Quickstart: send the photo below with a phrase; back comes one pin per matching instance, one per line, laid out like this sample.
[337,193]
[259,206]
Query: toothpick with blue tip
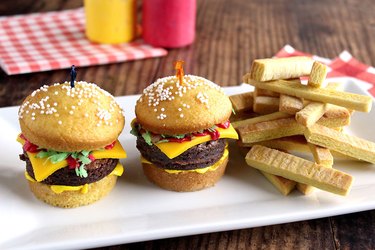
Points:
[73,75]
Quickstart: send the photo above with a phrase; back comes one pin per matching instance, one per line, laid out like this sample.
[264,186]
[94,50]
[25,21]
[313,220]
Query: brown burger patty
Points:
[96,171]
[199,156]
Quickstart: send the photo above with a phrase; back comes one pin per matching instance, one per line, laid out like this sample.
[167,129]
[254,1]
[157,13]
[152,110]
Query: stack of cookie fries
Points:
[283,115]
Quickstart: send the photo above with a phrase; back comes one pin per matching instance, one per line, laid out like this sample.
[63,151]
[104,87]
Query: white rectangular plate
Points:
[136,210]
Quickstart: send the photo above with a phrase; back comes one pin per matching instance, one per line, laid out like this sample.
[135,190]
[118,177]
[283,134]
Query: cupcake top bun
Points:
[63,118]
[170,107]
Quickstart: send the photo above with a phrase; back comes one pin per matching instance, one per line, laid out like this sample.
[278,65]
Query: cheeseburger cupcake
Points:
[69,135]
[181,125]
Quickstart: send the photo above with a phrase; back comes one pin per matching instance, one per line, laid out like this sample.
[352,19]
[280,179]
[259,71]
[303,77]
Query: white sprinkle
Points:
[181,115]
[59,122]
[71,112]
[168,88]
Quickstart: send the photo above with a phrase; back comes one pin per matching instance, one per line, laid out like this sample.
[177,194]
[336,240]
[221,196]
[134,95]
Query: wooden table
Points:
[230,34]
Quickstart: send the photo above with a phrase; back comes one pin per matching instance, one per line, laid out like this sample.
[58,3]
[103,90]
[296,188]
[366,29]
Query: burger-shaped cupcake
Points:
[69,137]
[181,125]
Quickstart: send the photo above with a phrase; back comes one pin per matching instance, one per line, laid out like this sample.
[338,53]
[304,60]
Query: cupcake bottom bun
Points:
[185,180]
[74,198]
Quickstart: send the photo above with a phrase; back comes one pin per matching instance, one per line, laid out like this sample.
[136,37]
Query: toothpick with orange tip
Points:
[178,65]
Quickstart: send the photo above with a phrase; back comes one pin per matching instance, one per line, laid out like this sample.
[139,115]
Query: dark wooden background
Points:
[230,34]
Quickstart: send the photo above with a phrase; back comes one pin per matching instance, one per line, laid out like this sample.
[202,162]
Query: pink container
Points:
[169,23]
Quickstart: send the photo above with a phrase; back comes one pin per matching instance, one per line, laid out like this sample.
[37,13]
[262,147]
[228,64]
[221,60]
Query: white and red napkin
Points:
[56,40]
[342,66]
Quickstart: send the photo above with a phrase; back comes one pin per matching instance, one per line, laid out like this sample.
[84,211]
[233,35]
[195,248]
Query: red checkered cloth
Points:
[56,40]
[342,66]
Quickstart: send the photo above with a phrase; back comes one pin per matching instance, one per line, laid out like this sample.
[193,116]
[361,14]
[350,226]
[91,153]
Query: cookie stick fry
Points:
[321,156]
[290,104]
[270,130]
[242,102]
[343,143]
[265,104]
[313,111]
[295,143]
[280,68]
[318,75]
[348,100]
[298,169]
[285,186]
[262,118]
[264,92]
[310,114]
[254,132]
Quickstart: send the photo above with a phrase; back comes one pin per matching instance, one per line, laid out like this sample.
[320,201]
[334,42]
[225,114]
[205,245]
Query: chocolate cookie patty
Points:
[96,171]
[199,156]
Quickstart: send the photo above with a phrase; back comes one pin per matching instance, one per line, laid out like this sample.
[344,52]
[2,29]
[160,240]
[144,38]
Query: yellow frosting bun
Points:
[62,118]
[71,199]
[185,181]
[170,107]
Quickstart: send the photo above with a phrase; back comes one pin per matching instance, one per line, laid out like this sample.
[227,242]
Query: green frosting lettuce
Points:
[147,137]
[81,156]
[178,136]
[53,156]
[137,130]
[213,128]
[81,171]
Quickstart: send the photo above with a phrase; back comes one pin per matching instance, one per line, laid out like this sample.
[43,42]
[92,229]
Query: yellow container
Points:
[110,21]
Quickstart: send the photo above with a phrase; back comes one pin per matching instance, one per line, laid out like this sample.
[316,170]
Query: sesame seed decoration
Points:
[203,98]
[73,101]
[168,88]
[171,87]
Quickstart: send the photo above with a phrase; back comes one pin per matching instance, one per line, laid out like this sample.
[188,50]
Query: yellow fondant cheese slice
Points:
[43,167]
[58,189]
[119,169]
[174,149]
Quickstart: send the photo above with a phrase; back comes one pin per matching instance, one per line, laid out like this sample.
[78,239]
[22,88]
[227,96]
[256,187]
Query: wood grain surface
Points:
[230,34]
